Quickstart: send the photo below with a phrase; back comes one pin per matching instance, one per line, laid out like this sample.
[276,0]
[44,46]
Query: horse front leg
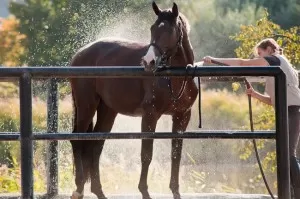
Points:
[149,121]
[180,122]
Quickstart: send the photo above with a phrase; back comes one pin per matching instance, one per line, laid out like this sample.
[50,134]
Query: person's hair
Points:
[269,42]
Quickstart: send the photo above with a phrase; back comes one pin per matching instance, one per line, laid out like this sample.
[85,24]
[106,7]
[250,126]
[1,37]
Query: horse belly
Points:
[122,95]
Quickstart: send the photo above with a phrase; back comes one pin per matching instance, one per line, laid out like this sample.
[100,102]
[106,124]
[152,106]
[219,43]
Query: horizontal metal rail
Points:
[207,79]
[157,135]
[26,136]
[137,71]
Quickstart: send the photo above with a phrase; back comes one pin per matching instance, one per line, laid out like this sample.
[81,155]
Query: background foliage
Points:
[11,42]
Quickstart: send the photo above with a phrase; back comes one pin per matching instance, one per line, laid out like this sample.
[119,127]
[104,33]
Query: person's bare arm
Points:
[237,61]
[263,98]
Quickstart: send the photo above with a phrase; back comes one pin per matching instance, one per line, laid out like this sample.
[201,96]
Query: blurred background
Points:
[48,32]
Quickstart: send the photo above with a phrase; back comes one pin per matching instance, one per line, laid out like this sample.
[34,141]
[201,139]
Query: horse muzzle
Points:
[148,67]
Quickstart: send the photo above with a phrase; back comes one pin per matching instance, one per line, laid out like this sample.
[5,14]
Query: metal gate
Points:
[26,134]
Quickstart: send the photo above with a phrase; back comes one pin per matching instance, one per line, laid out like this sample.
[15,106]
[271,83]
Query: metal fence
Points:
[26,134]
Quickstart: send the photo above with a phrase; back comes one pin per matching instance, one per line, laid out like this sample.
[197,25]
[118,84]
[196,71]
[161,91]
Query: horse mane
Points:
[185,22]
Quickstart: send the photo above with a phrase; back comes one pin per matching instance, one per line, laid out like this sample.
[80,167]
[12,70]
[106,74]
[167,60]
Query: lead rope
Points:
[183,87]
[199,102]
[248,85]
[199,94]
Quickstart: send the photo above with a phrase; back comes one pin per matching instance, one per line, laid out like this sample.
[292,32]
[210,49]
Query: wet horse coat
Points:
[148,98]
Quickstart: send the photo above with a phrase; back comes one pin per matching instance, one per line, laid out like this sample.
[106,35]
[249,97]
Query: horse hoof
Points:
[102,197]
[147,197]
[76,195]
[176,195]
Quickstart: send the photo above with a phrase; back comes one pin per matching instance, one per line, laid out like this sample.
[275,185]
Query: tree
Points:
[11,42]
[285,13]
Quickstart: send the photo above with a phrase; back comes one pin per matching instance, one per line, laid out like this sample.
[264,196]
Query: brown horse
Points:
[148,98]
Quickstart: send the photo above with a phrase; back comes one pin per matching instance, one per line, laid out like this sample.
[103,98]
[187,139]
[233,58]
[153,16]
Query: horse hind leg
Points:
[86,160]
[105,120]
[83,119]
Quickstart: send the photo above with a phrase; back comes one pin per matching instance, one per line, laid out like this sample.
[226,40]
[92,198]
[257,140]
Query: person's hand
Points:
[250,91]
[207,59]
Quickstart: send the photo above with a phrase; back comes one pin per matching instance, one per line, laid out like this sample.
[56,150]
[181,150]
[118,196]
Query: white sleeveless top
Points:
[292,81]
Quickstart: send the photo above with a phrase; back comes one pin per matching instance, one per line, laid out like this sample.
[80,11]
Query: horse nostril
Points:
[152,62]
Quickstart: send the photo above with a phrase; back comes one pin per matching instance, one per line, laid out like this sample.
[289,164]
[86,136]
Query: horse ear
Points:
[175,10]
[156,8]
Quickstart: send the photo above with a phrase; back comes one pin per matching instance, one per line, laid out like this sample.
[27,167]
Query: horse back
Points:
[110,52]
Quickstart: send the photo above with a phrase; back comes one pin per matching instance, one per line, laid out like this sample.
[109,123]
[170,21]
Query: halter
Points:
[165,56]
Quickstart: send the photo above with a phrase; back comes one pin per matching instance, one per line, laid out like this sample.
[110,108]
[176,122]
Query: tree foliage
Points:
[11,47]
[285,13]
[264,28]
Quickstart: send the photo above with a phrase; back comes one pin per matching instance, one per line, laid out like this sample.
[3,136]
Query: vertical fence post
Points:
[282,137]
[52,127]
[26,136]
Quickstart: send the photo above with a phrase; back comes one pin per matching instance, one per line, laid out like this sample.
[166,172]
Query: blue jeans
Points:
[294,133]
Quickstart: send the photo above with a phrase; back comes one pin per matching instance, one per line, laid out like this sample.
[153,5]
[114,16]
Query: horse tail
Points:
[74,121]
[74,115]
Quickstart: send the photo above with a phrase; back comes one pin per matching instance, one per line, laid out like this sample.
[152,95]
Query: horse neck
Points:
[185,52]
[184,56]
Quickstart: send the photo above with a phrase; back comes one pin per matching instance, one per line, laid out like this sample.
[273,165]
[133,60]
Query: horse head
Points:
[169,34]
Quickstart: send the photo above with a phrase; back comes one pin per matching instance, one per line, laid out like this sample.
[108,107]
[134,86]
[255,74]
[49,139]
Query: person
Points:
[268,53]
